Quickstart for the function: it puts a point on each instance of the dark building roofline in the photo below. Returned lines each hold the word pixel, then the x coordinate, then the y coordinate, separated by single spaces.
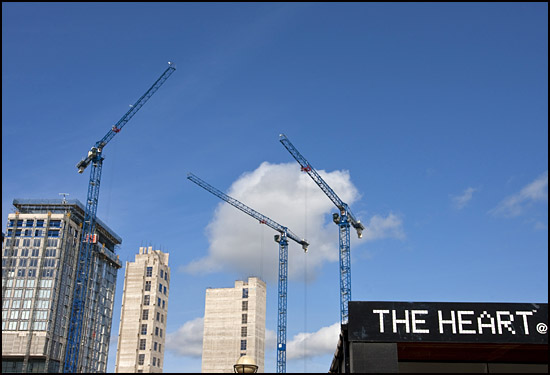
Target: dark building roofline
pixel 58 204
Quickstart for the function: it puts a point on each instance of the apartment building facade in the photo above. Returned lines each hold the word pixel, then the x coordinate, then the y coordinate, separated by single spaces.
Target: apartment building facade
pixel 144 313
pixel 234 325
pixel 39 255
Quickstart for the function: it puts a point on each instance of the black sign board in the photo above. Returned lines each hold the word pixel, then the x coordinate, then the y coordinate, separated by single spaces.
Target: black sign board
pixel 522 323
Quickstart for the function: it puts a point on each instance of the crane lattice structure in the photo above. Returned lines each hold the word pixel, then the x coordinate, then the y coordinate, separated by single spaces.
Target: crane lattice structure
pixel 283 262
pixel 87 240
pixel 343 220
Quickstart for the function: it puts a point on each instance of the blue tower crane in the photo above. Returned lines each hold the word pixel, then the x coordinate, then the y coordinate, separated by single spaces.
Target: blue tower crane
pixel 343 220
pixel 84 256
pixel 283 262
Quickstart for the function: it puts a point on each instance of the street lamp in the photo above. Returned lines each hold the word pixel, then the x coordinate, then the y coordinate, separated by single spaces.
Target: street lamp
pixel 245 365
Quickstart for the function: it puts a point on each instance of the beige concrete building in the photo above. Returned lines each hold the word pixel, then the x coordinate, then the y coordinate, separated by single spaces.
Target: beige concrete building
pixel 234 325
pixel 144 313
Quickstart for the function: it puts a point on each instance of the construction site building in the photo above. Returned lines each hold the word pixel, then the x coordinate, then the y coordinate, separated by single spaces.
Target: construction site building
pixel 38 275
pixel 144 313
pixel 234 326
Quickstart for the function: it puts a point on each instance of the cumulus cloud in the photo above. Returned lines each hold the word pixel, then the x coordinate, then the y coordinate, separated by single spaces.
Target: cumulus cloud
pixel 460 201
pixel 187 340
pixel 289 197
pixel 380 227
pixel 514 205
pixel 307 345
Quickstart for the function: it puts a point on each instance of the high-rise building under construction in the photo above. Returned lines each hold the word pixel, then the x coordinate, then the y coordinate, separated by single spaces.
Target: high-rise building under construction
pixel 38 275
pixel 234 325
pixel 143 316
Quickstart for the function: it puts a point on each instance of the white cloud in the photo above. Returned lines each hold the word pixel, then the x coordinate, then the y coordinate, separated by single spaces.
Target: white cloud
pixel 187 340
pixel 514 205
pixel 307 345
pixel 292 199
pixel 282 193
pixel 270 339
pixel 380 227
pixel 460 201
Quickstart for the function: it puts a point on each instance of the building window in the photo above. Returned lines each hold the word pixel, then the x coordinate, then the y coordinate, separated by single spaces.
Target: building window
pixel 158 316
pixel 19 223
pixel 166 275
pixel 142 344
pixel 161 332
pixel 164 291
pixel 245 292
pixel 156 331
pixel 245 305
pixel 37 242
pixel 30 223
pixel 163 304
pixel 145 314
pixel 243 331
pixel 149 272
pixel 144 329
pixel 141 359
pixel 158 300
pixel 161 274
pixel 243 344
pixel 160 287
pixel 52 242
pixel 244 320
pixel 155 345
pixel 39 223
pixel 161 318
pixel 154 361
pixel 146 299
pixel 147 286
pixel 53 233
pixel 160 350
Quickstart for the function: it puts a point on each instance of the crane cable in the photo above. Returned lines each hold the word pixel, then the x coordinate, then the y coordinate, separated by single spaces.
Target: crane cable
pixel 305 281
pixel 262 252
pixel 112 174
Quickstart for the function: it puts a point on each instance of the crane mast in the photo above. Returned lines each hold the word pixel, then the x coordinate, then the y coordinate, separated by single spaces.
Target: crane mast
pixel 344 219
pixel 84 255
pixel 283 262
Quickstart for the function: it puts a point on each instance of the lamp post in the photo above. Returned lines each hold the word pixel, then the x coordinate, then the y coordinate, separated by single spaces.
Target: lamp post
pixel 245 365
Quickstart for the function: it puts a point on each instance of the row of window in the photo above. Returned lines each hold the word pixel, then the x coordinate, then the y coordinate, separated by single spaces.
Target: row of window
pixel 149 273
pixel 161 287
pixel 23 326
pixel 25 314
pixel 141 361
pixel 18 293
pixel 156 346
pixel 30 223
pixel 143 331
pixel 20 283
pixel 147 301
pixel 31 272
pixel 29 233
pixel 37 242
pixel 145 316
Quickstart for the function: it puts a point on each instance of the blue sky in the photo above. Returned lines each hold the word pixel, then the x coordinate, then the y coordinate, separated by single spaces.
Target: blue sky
pixel 430 120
